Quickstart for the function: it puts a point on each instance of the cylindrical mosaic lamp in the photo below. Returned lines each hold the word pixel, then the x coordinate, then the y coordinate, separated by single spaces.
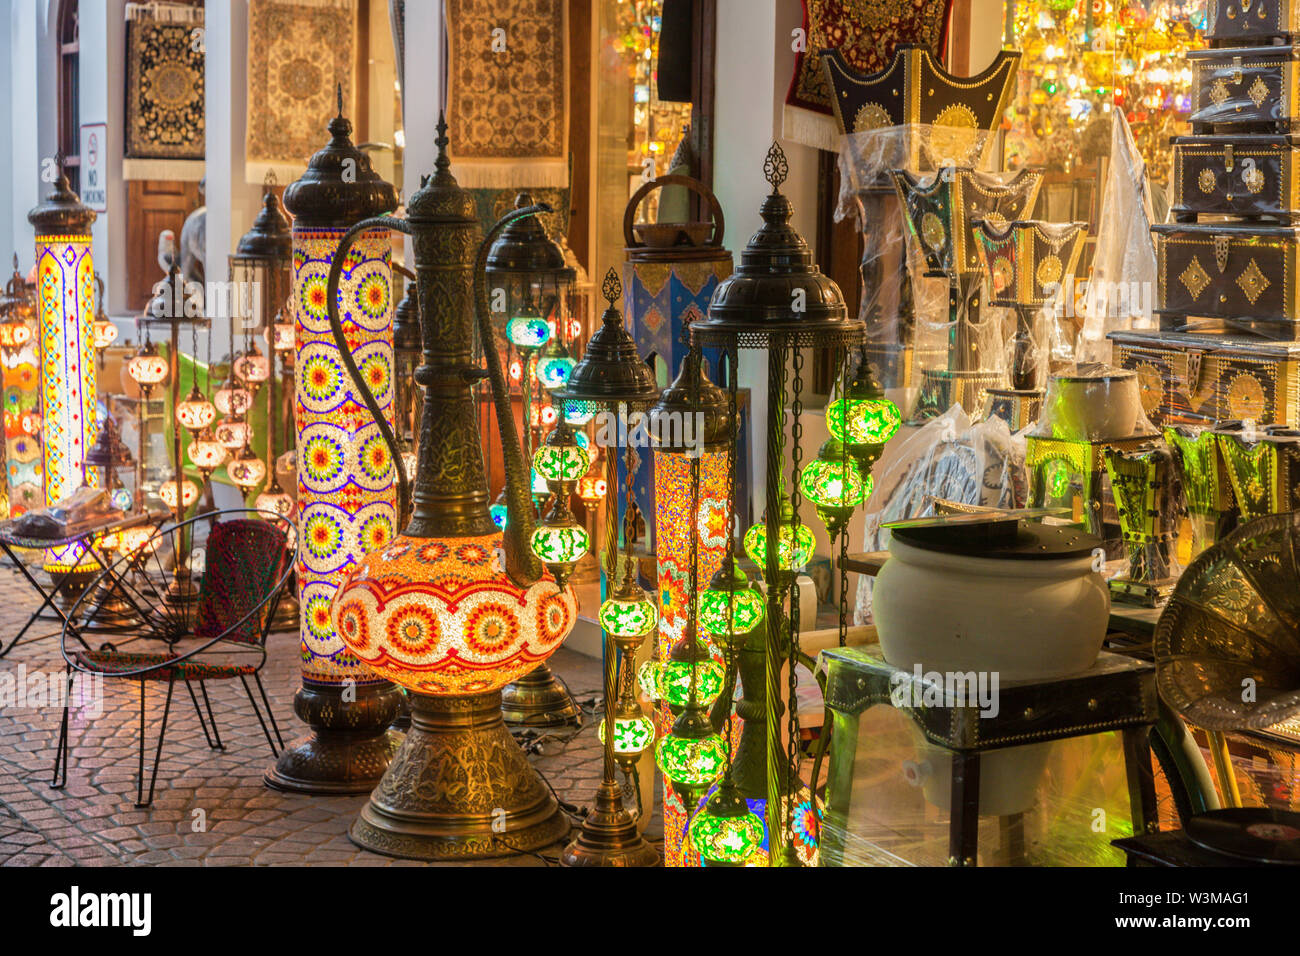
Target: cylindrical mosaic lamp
pixel 65 280
pixel 19 354
pixel 691 423
pixel 346 476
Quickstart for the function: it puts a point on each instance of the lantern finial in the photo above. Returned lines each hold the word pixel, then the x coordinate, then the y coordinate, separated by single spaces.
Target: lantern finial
pixel 611 289
pixel 775 167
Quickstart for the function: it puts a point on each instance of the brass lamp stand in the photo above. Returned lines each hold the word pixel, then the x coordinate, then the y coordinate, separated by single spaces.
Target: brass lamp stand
pixel 459 787
pixel 613 379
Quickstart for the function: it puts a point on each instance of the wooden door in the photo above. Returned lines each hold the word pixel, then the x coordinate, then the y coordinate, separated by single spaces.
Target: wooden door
pixel 152 206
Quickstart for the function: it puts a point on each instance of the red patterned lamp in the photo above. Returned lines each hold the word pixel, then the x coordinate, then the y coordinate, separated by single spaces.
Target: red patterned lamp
pixel 454 608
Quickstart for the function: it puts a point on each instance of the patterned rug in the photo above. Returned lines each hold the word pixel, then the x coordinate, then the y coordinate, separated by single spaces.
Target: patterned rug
pixel 298 50
pixel 867 31
pixel 164 81
pixel 507 92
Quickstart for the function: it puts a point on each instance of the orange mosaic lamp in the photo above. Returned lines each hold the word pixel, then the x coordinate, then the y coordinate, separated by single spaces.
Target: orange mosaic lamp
pixel 453 608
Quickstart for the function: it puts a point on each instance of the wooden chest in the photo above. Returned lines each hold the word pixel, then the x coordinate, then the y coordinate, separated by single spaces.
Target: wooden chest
pixel 1254 176
pixel 1237 21
pixel 1233 86
pixel 1204 379
pixel 1228 277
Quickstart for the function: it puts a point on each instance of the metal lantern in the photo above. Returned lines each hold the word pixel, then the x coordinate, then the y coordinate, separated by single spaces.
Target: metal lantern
pixel 612 381
pixel 530 293
pixel 65 282
pixel 174 306
pixel 346 476
pixel 406 351
pixel 778 301
pixel 454 608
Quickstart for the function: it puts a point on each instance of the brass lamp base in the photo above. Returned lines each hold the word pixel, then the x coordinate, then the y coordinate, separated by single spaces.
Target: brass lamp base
pixel 539 699
pixel 459 788
pixel 609 836
pixel 351 742
pixel 286 616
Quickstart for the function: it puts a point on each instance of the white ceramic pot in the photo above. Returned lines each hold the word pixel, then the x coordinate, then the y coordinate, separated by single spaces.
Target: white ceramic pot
pixel 1020 618
pixel 1023 619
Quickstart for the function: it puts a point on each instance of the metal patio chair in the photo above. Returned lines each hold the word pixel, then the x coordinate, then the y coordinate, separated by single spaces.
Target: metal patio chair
pixel 248 561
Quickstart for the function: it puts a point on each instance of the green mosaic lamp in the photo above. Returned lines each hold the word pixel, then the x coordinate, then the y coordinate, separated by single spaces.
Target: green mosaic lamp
pixel 730 607
pixel 562 460
pixel 726 832
pixel 862 417
pixel 834 484
pixel 795 542
pixel 691 755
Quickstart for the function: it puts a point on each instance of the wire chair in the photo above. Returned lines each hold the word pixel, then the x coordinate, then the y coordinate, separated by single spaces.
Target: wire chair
pixel 242 559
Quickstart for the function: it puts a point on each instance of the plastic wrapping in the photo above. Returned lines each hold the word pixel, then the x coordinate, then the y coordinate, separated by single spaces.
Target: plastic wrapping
pixel 1120 293
pixel 948 458
pixel 906 313
pixel 897 816
pixel 1090 402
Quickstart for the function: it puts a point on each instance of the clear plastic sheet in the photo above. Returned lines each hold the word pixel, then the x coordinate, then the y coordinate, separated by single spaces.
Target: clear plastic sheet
pixel 1120 293
pixel 1091 401
pixel 906 313
pixel 951 458
pixel 897 816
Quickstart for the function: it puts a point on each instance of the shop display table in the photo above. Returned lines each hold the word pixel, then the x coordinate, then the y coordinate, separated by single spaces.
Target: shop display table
pixel 91 536
pixel 1116 693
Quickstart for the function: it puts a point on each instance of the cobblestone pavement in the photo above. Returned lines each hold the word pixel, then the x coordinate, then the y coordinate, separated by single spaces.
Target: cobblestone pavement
pixel 93 820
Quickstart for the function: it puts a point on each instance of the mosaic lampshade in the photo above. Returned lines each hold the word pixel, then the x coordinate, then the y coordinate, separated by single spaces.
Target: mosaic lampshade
pixel 104 333
pixel 196 412
pixel 247 470
pixel 806 829
pixel 189 493
pixel 730 606
pixel 527 331
pixel 206 453
pixel 633 735
pixel 147 368
pixel 554 365
pixel 628 613
pixel 691 756
pixel 65 286
pixel 796 542
pixel 726 832
pixel 275 499
pixel 444 619
pixel 232 399
pixel 233 433
pixel 562 460
pixel 346 478
pixel 252 369
pixel 20 360
pixel 864 421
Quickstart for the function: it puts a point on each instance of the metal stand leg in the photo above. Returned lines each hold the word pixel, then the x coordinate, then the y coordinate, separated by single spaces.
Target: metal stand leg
pixel 257 710
pixel 963 822
pixel 58 782
pixel 203 688
pixel 270 714
pixel 1223 767
pixel 1141 780
pixel 189 686
pixel 141 803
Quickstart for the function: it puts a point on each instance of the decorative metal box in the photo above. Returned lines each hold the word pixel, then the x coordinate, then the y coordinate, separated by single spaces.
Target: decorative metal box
pixel 915 90
pixel 1026 261
pixel 1232 86
pixel 1263 470
pixel 1240 276
pixel 1237 20
pixel 942 212
pixel 1236 176
pixel 1202 379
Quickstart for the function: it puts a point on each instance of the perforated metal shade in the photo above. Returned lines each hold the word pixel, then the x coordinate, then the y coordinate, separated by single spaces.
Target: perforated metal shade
pixel 611 370
pixel 777 291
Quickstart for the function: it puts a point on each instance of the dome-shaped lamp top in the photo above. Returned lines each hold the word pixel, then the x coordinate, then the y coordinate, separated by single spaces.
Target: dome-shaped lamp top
pixel 440 198
pixel 777 289
pixel 62 212
pixel 611 370
pixel 691 393
pixel 524 247
pixel 109 449
pixel 270 237
pixel 340 187
pixel 171 302
pixel 15 296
